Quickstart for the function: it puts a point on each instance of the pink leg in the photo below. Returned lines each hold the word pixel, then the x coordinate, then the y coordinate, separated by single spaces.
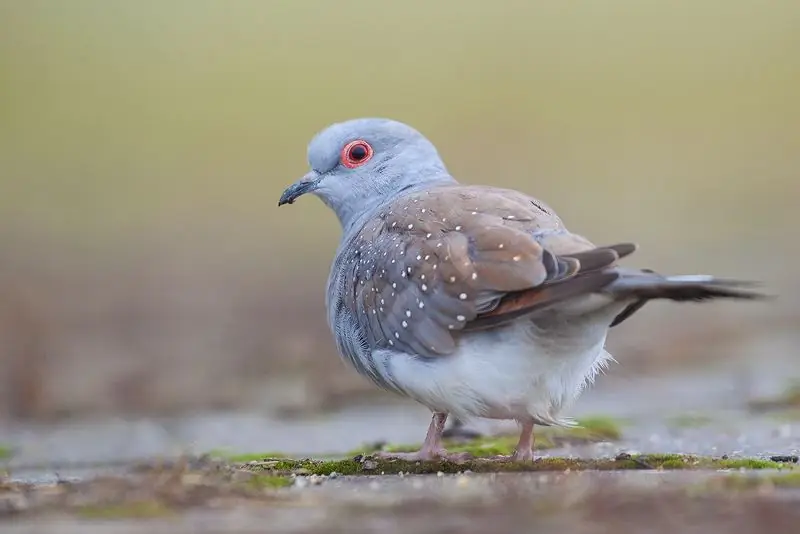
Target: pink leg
pixel 432 446
pixel 524 450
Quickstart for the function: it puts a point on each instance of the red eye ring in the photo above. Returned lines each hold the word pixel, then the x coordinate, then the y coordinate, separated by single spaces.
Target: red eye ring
pixel 356 153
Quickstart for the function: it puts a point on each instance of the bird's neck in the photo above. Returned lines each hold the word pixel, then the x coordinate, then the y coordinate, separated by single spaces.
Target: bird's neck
pixel 353 215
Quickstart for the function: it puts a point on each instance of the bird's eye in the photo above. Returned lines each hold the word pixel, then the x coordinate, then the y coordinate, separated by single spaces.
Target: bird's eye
pixel 356 153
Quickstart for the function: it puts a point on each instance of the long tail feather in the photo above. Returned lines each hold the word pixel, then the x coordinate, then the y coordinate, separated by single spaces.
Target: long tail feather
pixel 648 285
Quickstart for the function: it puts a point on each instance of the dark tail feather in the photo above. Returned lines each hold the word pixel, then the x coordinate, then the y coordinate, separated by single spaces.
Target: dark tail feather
pixel 647 285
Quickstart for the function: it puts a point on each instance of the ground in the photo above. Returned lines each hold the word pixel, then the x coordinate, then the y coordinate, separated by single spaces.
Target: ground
pixel 315 495
pixel 359 492
pixel 665 463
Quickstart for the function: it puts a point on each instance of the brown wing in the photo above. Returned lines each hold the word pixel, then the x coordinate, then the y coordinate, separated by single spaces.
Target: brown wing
pixel 462 257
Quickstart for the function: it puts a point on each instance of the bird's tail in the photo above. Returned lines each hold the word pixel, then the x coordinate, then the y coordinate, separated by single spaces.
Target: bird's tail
pixel 644 285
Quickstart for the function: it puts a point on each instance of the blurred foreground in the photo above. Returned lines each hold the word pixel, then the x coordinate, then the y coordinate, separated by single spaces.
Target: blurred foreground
pixel 221 501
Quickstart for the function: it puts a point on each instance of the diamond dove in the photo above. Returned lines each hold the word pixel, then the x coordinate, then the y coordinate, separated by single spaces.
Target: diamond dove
pixel 475 301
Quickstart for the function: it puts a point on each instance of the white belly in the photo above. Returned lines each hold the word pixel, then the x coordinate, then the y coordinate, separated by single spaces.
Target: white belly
pixel 518 372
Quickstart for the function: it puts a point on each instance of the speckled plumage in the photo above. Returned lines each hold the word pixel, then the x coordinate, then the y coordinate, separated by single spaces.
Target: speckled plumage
pixel 472 300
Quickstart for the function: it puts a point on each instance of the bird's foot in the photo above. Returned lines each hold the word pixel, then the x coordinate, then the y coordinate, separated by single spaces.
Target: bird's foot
pixel 426 455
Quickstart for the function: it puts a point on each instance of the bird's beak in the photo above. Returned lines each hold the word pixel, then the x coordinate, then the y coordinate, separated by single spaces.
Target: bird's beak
pixel 304 185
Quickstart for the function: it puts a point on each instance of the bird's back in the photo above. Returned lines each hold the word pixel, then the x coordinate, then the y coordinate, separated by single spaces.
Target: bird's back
pixel 429 264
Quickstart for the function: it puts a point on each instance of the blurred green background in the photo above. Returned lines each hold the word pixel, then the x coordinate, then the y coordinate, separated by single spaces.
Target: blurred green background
pixel 144 265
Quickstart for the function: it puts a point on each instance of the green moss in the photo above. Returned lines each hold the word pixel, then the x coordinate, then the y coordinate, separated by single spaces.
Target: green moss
pixel 748 463
pixel 602 426
pixel 589 430
pixel 689 420
pixel 371 465
pixel 5 452
pixel 137 509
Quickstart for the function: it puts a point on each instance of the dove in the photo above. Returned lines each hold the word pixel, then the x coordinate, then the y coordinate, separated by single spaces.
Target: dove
pixel 474 301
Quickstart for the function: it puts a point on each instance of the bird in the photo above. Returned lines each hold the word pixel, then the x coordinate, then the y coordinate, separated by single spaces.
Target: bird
pixel 475 301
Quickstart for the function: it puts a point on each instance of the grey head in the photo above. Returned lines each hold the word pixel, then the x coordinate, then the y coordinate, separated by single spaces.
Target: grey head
pixel 360 164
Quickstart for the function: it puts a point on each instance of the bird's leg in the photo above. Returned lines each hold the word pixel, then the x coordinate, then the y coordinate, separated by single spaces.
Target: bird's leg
pixel 432 446
pixel 524 450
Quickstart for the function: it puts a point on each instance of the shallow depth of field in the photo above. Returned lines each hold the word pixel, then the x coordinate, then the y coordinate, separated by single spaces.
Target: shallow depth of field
pixel 157 306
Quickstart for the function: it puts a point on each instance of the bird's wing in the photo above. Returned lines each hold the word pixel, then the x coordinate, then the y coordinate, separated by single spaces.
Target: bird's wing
pixel 455 258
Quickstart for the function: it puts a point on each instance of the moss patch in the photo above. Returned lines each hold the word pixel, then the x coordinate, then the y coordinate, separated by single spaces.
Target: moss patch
pixel 588 430
pixel 368 465
pixel 5 452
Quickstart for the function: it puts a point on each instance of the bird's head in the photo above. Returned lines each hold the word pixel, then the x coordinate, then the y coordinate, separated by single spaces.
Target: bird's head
pixel 361 163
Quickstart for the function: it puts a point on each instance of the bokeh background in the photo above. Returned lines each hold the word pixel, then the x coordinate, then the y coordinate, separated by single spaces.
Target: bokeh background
pixel 146 269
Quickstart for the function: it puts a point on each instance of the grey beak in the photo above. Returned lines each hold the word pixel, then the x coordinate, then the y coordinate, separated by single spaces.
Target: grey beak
pixel 304 185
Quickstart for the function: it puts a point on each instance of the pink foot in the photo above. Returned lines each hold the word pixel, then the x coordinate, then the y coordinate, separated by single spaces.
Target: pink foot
pixel 525 455
pixel 431 448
